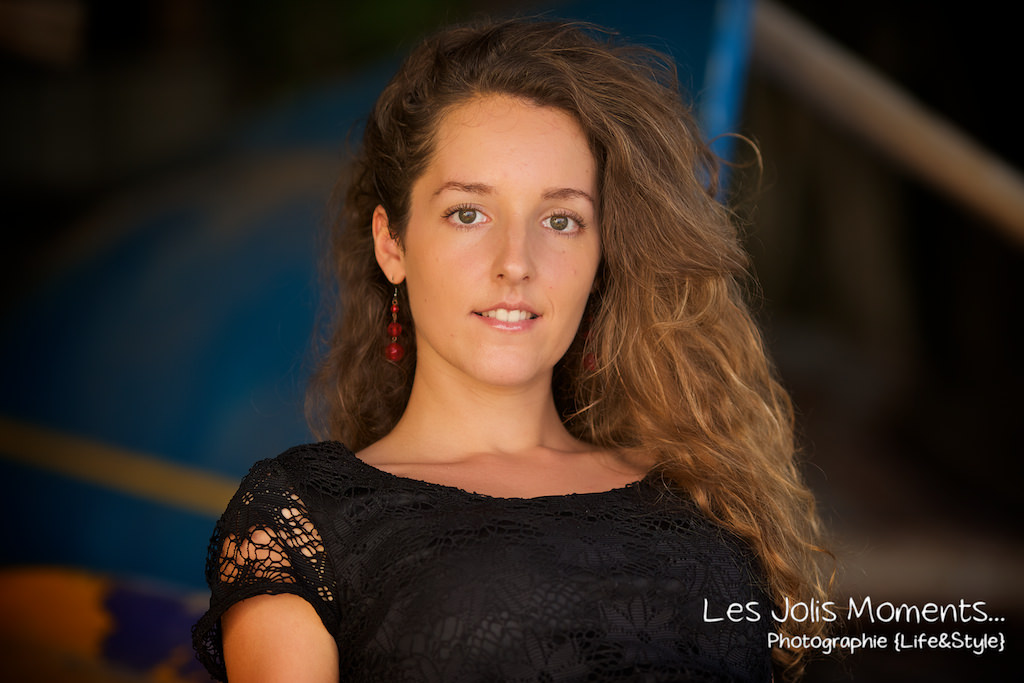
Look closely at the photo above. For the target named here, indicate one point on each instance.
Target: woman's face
(502, 244)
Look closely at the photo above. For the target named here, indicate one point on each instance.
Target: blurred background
(164, 171)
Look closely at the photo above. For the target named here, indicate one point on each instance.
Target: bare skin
(509, 444)
(277, 638)
(481, 415)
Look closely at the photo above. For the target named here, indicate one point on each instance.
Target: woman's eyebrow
(472, 188)
(567, 193)
(483, 188)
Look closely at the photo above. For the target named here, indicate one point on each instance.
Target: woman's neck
(499, 441)
(456, 419)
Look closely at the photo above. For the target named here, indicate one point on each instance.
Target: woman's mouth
(506, 315)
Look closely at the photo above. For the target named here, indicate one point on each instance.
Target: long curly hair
(669, 365)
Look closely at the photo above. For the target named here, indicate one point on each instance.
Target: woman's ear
(389, 253)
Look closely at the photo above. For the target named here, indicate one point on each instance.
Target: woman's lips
(508, 315)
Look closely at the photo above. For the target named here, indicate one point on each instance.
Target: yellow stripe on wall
(136, 473)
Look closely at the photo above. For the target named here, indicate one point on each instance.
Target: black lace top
(425, 582)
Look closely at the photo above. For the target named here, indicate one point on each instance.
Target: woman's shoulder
(708, 542)
(314, 458)
(307, 470)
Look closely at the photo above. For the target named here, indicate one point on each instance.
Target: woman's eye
(465, 216)
(563, 223)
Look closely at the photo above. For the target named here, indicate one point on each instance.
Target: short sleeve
(265, 543)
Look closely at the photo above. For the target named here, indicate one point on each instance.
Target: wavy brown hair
(676, 370)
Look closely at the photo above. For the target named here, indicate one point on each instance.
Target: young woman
(566, 457)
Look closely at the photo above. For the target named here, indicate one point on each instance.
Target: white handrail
(852, 93)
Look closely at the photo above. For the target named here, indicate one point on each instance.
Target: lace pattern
(423, 582)
(264, 543)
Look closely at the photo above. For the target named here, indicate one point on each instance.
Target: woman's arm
(271, 638)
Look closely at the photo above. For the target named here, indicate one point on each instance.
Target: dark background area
(895, 316)
(924, 292)
(894, 313)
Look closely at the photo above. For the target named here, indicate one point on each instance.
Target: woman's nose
(513, 260)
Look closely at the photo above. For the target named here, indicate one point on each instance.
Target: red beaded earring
(394, 351)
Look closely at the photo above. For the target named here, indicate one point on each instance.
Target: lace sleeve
(265, 543)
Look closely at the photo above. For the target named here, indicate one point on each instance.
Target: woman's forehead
(490, 138)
